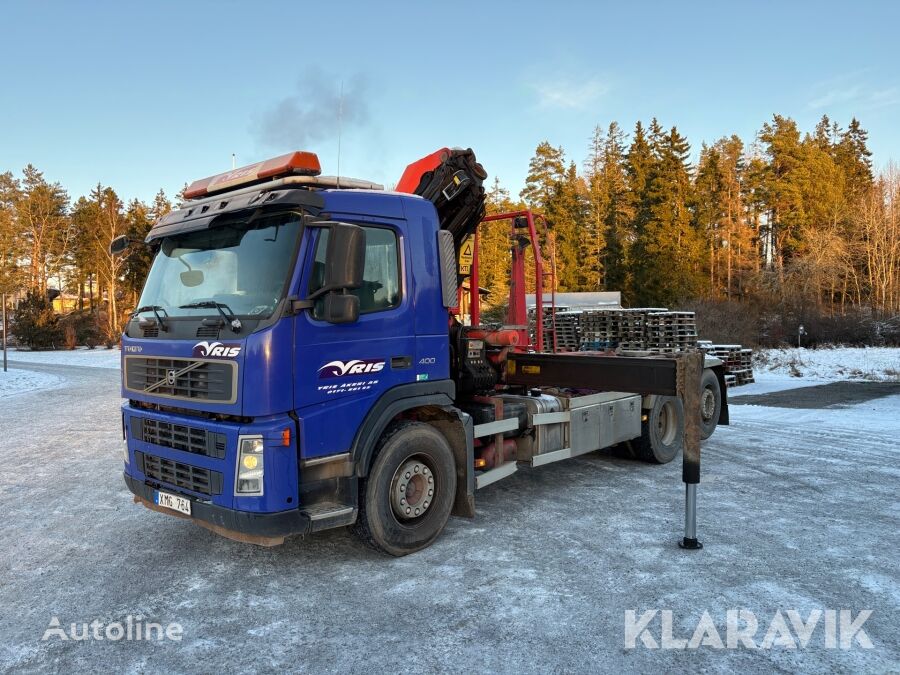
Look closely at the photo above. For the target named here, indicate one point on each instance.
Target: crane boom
(453, 180)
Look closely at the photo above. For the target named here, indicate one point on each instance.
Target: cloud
(569, 94)
(314, 111)
(883, 97)
(836, 96)
(862, 96)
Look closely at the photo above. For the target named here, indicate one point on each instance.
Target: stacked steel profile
(737, 359)
(648, 329)
(653, 329)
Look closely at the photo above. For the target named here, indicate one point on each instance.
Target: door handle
(401, 362)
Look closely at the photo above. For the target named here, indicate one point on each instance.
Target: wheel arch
(431, 403)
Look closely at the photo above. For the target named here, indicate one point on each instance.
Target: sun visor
(200, 216)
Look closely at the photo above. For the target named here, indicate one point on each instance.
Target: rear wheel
(406, 499)
(662, 435)
(710, 404)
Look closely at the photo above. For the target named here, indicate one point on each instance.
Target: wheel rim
(412, 489)
(707, 404)
(667, 423)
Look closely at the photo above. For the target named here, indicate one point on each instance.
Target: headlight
(250, 466)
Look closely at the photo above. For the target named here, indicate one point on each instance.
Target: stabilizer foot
(690, 544)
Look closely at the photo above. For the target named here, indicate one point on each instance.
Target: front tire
(662, 435)
(405, 500)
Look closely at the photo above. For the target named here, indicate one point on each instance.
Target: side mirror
(119, 245)
(340, 308)
(345, 257)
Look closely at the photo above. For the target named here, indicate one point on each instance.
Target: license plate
(174, 502)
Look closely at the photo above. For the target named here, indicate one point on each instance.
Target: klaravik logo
(216, 350)
(349, 368)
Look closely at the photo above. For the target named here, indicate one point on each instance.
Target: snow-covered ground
(830, 363)
(20, 379)
(16, 381)
(798, 511)
(82, 356)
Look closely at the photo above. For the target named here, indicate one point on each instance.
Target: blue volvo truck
(297, 363)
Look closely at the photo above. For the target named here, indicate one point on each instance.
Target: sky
(143, 96)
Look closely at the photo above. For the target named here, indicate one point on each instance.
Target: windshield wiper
(156, 309)
(230, 318)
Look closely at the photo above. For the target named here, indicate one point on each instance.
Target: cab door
(342, 369)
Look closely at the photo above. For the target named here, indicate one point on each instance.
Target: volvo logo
(171, 377)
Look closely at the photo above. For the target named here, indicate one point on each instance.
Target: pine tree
(35, 324)
(638, 167)
(709, 208)
(567, 212)
(559, 193)
(784, 193)
(669, 250)
(739, 251)
(83, 254)
(494, 245)
(12, 276)
(594, 239)
(755, 196)
(545, 171)
(611, 210)
(104, 220)
(852, 154)
(42, 222)
(139, 219)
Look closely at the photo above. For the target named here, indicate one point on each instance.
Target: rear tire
(662, 435)
(710, 404)
(405, 501)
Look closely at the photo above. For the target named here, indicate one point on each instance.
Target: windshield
(240, 265)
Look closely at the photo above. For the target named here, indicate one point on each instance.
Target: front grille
(151, 331)
(201, 380)
(178, 437)
(184, 476)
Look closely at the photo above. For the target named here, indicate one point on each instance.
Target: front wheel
(406, 499)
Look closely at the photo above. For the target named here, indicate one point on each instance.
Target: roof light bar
(294, 163)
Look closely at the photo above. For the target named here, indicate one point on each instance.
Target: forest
(793, 226)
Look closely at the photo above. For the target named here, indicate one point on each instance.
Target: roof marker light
(294, 163)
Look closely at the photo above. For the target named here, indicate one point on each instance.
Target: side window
(381, 288)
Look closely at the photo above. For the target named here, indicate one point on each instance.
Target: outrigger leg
(690, 369)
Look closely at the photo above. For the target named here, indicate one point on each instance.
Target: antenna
(233, 165)
(340, 128)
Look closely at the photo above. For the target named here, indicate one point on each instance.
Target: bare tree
(110, 224)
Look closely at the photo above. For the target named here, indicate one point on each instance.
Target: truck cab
(250, 368)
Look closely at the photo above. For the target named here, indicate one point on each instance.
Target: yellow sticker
(466, 255)
(511, 367)
(531, 370)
